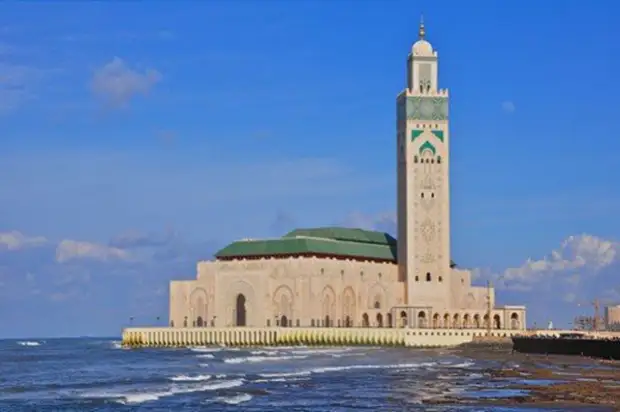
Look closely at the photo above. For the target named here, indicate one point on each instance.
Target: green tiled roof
(322, 241)
(356, 243)
(346, 234)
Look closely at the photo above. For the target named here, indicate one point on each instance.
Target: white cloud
(68, 250)
(15, 240)
(116, 83)
(577, 256)
(508, 106)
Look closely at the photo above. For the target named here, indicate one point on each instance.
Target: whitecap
(320, 351)
(116, 344)
(257, 359)
(235, 400)
(284, 374)
(264, 352)
(29, 343)
(281, 380)
(403, 366)
(140, 397)
(205, 349)
(187, 378)
(206, 355)
(461, 365)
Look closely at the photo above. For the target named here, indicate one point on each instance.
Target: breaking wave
(29, 343)
(235, 400)
(140, 397)
(257, 359)
(187, 378)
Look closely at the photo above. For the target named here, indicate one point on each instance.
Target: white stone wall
(305, 292)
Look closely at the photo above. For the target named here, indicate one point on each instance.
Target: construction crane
(589, 322)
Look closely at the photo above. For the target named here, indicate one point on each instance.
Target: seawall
(247, 336)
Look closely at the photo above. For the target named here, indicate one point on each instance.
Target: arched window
(428, 276)
(438, 159)
(415, 159)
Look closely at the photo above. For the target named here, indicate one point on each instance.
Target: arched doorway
(514, 321)
(455, 321)
(240, 311)
(477, 321)
(199, 322)
(421, 319)
(497, 322)
(436, 320)
(347, 322)
(466, 320)
(379, 320)
(284, 321)
(446, 321)
(328, 321)
(403, 319)
(389, 320)
(486, 320)
(365, 320)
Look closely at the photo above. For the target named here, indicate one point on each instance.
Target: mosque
(342, 277)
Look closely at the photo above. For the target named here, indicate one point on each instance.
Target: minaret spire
(422, 30)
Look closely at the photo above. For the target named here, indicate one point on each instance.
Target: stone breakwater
(247, 336)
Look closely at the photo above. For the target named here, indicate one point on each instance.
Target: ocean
(98, 375)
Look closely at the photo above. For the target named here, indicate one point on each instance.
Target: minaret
(423, 181)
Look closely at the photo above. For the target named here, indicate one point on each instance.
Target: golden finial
(421, 31)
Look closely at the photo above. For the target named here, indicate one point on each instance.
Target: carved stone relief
(427, 257)
(427, 230)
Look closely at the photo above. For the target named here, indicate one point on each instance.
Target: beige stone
(422, 290)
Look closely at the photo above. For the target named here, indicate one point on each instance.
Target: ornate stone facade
(307, 280)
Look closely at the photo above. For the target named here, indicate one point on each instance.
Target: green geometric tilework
(415, 134)
(427, 108)
(427, 146)
(438, 134)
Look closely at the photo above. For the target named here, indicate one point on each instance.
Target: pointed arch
(515, 322)
(422, 319)
(497, 323)
(328, 306)
(376, 296)
(240, 310)
(436, 320)
(348, 306)
(232, 293)
(283, 303)
(466, 320)
(198, 306)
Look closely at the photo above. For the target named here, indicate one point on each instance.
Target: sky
(137, 138)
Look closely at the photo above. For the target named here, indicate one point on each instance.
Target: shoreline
(542, 381)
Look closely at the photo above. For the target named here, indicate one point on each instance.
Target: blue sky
(184, 126)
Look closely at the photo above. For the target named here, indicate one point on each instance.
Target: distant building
(339, 277)
(612, 317)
